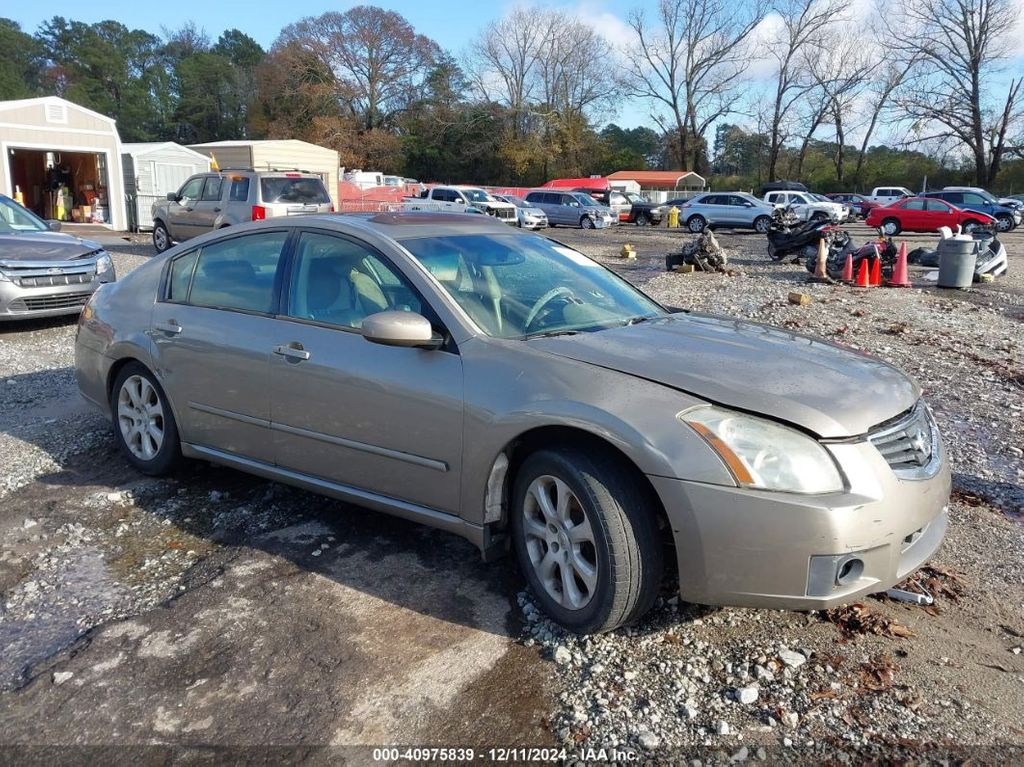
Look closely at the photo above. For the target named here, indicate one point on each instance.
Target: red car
(923, 214)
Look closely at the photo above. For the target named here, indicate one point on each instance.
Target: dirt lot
(215, 609)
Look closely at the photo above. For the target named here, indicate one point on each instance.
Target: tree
(803, 23)
(691, 63)
(953, 90)
(21, 62)
(109, 68)
(375, 56)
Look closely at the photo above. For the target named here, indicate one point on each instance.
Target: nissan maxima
(506, 388)
(44, 272)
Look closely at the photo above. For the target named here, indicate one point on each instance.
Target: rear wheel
(762, 224)
(144, 425)
(585, 539)
(161, 237)
(891, 227)
(696, 224)
(587, 222)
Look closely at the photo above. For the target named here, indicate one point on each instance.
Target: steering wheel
(543, 301)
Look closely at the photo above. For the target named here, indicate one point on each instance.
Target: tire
(157, 448)
(762, 224)
(696, 224)
(586, 222)
(891, 227)
(161, 237)
(643, 219)
(1004, 223)
(970, 225)
(618, 539)
(819, 216)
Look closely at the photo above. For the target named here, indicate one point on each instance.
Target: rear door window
(238, 273)
(295, 191)
(212, 189)
(914, 205)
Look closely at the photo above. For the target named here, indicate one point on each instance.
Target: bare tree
(839, 69)
(376, 57)
(958, 48)
(802, 28)
(503, 60)
(691, 62)
(886, 80)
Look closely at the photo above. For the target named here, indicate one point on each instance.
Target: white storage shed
(277, 154)
(153, 169)
(62, 161)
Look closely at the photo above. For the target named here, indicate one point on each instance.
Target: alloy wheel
(161, 241)
(140, 417)
(560, 542)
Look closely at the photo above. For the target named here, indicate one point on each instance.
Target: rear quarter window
(298, 191)
(239, 190)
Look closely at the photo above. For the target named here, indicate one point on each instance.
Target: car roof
(409, 225)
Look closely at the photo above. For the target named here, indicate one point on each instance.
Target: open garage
(62, 161)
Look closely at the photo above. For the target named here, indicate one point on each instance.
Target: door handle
(168, 327)
(216, 210)
(293, 351)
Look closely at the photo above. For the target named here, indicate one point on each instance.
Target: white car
(528, 216)
(886, 194)
(805, 206)
(463, 199)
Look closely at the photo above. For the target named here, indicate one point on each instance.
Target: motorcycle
(835, 262)
(789, 236)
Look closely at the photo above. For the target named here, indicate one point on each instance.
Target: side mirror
(172, 197)
(401, 329)
(54, 225)
(748, 204)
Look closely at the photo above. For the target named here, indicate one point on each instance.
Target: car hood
(43, 246)
(825, 389)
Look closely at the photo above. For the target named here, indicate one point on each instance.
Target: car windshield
(519, 202)
(821, 198)
(14, 218)
(749, 198)
(295, 190)
(634, 197)
(477, 195)
(521, 287)
(585, 200)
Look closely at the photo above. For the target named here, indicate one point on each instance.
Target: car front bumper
(754, 548)
(18, 303)
(534, 223)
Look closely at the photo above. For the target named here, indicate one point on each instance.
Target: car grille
(53, 280)
(504, 213)
(909, 441)
(41, 303)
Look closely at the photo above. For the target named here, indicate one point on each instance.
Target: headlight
(104, 264)
(764, 454)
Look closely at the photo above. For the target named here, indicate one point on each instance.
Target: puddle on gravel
(39, 619)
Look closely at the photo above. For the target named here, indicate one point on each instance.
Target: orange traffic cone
(820, 270)
(848, 269)
(863, 279)
(900, 275)
(876, 270)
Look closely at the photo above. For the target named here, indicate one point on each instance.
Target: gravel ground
(86, 543)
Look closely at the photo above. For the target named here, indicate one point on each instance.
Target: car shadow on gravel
(14, 328)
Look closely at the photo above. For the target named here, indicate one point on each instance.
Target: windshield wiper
(552, 333)
(637, 320)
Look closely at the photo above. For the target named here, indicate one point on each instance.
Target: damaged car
(501, 386)
(43, 271)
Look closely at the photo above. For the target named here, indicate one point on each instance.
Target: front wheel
(144, 425)
(891, 227)
(585, 539)
(696, 224)
(643, 219)
(970, 226)
(587, 222)
(1004, 223)
(161, 237)
(762, 224)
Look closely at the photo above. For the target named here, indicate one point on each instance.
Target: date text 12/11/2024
(518, 754)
